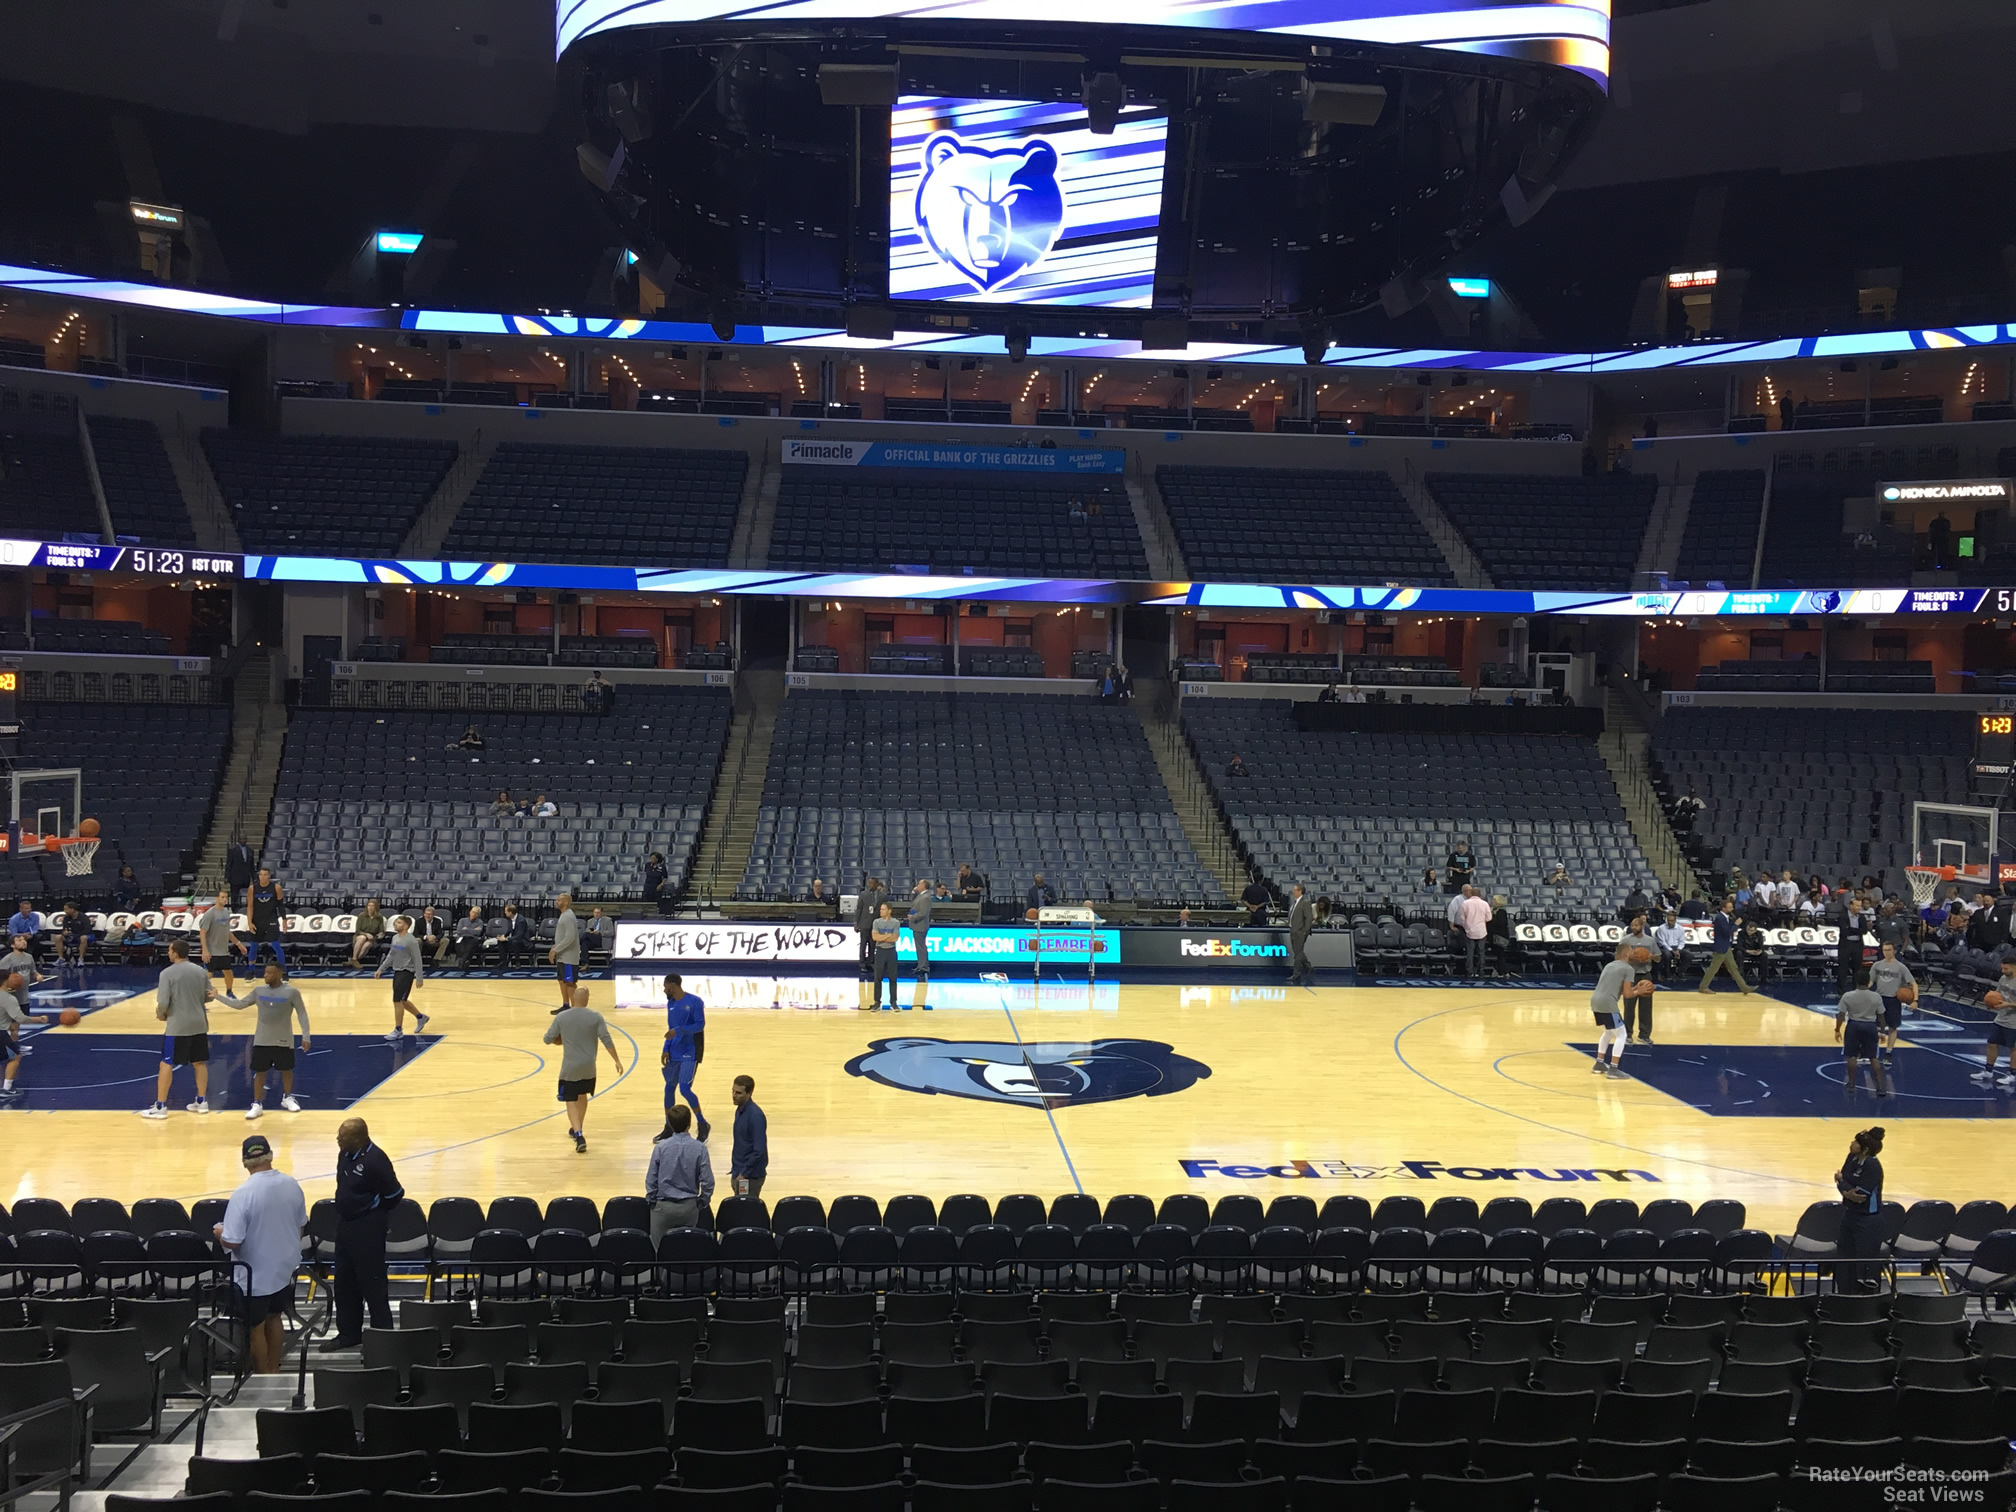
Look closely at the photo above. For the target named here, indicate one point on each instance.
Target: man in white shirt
(1787, 894)
(262, 1231)
(1672, 941)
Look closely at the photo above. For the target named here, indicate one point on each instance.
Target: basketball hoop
(1925, 881)
(78, 853)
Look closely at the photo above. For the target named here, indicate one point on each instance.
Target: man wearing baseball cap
(262, 1231)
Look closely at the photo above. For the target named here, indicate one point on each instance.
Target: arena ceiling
(1706, 86)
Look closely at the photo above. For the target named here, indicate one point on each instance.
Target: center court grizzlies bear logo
(990, 215)
(1045, 1074)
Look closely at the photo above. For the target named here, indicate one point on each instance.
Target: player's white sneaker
(289, 1104)
(255, 1111)
(395, 1038)
(154, 1110)
(2006, 1083)
(1982, 1076)
(201, 1105)
(419, 1023)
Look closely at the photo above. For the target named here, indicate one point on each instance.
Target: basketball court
(1211, 1088)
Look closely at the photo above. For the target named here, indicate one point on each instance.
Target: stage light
(870, 323)
(857, 83)
(1470, 288)
(1314, 345)
(1343, 104)
(599, 168)
(399, 241)
(722, 324)
(1103, 95)
(1017, 338)
(1167, 335)
(628, 111)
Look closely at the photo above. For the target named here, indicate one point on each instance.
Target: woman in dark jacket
(1860, 1182)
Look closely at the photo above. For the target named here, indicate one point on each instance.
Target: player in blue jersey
(685, 1045)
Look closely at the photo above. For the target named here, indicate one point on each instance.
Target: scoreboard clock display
(1994, 743)
(10, 720)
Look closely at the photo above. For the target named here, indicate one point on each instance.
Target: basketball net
(1925, 881)
(78, 853)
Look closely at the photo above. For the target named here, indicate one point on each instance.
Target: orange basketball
(1993, 1000)
(88, 829)
(1907, 993)
(69, 1018)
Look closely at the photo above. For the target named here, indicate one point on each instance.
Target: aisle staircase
(756, 515)
(437, 516)
(208, 513)
(730, 830)
(1463, 562)
(1158, 531)
(252, 771)
(1624, 746)
(1203, 825)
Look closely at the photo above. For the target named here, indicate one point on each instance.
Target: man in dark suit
(1301, 919)
(241, 865)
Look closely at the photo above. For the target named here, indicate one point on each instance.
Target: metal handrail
(311, 1328)
(63, 1480)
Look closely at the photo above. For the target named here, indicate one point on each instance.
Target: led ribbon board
(1568, 35)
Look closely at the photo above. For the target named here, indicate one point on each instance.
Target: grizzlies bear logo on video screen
(991, 215)
(1045, 1074)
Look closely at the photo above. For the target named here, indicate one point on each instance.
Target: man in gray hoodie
(181, 1003)
(566, 952)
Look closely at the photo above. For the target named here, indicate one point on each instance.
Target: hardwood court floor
(1742, 1096)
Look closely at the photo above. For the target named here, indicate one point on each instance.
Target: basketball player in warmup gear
(1858, 1023)
(577, 1029)
(13, 1014)
(685, 1025)
(2002, 1033)
(1605, 1002)
(565, 955)
(181, 1003)
(18, 959)
(268, 899)
(1636, 1002)
(1888, 979)
(279, 1004)
(405, 958)
(213, 935)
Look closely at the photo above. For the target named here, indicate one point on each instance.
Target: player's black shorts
(1607, 1020)
(256, 1310)
(2002, 1034)
(272, 1058)
(185, 1049)
(220, 962)
(8, 1049)
(1893, 1013)
(402, 986)
(567, 973)
(571, 1090)
(1858, 1040)
(266, 932)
